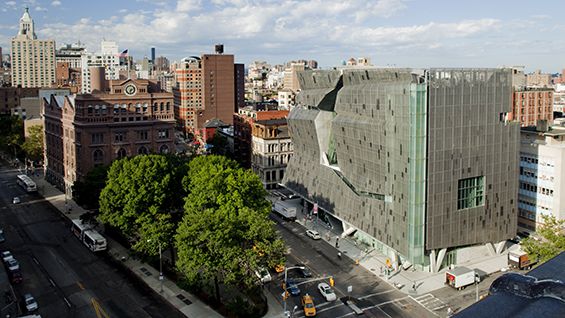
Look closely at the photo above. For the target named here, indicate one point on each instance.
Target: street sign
(315, 208)
(350, 289)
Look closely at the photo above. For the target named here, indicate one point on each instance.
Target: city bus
(88, 236)
(26, 183)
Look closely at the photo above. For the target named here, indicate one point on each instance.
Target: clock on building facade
(130, 90)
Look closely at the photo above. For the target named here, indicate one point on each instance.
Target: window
(97, 138)
(164, 149)
(122, 153)
(142, 135)
(470, 193)
(142, 150)
(98, 156)
(119, 137)
(163, 134)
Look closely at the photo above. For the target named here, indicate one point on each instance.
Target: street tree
(33, 144)
(86, 192)
(549, 239)
(225, 233)
(11, 134)
(139, 199)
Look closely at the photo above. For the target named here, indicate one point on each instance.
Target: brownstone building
(262, 142)
(120, 118)
(532, 104)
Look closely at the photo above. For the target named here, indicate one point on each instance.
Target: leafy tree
(220, 145)
(11, 134)
(139, 197)
(86, 192)
(225, 233)
(551, 240)
(33, 145)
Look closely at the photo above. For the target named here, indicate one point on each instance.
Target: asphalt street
(371, 294)
(66, 278)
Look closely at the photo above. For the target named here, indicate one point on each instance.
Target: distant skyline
(401, 33)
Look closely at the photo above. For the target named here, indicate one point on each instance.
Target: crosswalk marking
(430, 302)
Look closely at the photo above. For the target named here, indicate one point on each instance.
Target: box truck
(520, 260)
(460, 277)
(287, 208)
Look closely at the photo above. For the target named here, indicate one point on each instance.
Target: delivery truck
(460, 277)
(520, 260)
(287, 208)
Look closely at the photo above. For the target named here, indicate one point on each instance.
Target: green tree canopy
(551, 240)
(139, 197)
(225, 233)
(33, 144)
(11, 134)
(86, 192)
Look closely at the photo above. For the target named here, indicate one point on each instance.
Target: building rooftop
(541, 293)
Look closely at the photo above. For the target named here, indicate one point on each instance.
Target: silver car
(31, 304)
(313, 234)
(327, 291)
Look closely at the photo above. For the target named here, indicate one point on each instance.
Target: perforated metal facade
(371, 147)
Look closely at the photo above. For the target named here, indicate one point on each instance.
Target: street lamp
(160, 266)
(287, 314)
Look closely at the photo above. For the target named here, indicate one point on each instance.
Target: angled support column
(490, 248)
(500, 247)
(435, 261)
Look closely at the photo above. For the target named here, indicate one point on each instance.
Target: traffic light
(332, 281)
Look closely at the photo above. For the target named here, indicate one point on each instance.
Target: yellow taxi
(309, 307)
(279, 268)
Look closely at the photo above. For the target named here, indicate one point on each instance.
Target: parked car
(12, 264)
(263, 275)
(16, 200)
(292, 287)
(304, 270)
(313, 234)
(31, 304)
(327, 291)
(15, 276)
(6, 255)
(309, 307)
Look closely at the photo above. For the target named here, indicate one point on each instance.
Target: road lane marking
(376, 306)
(379, 293)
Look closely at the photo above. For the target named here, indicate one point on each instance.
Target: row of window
(532, 160)
(98, 138)
(98, 154)
(470, 192)
(533, 188)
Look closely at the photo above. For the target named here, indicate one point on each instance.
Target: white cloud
(40, 8)
(188, 5)
(10, 3)
(269, 28)
(56, 3)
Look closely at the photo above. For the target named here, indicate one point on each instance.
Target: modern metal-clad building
(418, 162)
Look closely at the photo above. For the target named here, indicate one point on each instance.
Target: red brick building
(531, 105)
(118, 119)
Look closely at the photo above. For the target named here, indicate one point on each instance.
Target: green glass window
(471, 193)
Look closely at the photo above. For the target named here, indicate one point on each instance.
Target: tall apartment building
(542, 167)
(33, 60)
(71, 54)
(538, 79)
(205, 91)
(291, 76)
(239, 85)
(108, 57)
(262, 143)
(406, 162)
(532, 104)
(118, 119)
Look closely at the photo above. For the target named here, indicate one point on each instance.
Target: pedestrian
(337, 242)
(339, 255)
(414, 285)
(449, 312)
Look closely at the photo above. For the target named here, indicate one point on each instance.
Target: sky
(401, 33)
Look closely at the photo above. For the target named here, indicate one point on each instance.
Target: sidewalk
(374, 262)
(186, 303)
